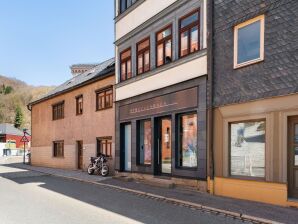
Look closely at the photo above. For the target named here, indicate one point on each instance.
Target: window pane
(194, 44)
(123, 5)
(128, 69)
(140, 64)
(190, 19)
(184, 43)
(123, 71)
(164, 34)
(125, 54)
(160, 55)
(249, 42)
(145, 142)
(188, 140)
(248, 149)
(147, 61)
(143, 45)
(168, 51)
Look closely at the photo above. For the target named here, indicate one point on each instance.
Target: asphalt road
(33, 198)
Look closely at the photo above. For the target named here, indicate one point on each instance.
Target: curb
(196, 206)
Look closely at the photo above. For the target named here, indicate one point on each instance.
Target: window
(249, 42)
(125, 69)
(125, 4)
(145, 140)
(247, 149)
(189, 27)
(58, 111)
(58, 149)
(104, 98)
(188, 141)
(104, 146)
(79, 105)
(164, 46)
(143, 56)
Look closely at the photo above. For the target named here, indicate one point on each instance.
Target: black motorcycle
(98, 165)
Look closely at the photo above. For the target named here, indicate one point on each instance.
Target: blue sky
(40, 39)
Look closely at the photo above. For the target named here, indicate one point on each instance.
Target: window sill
(107, 108)
(244, 64)
(260, 179)
(58, 157)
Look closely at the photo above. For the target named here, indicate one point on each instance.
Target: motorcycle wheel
(90, 169)
(104, 170)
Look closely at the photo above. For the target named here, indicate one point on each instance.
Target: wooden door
(80, 154)
(293, 157)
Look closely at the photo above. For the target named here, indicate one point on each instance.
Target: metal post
(24, 156)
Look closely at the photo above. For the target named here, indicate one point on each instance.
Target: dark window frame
(142, 52)
(79, 106)
(125, 7)
(138, 154)
(125, 61)
(179, 142)
(230, 149)
(56, 150)
(188, 29)
(56, 114)
(100, 141)
(105, 96)
(163, 41)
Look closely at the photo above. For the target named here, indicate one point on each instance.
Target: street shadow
(125, 204)
(120, 203)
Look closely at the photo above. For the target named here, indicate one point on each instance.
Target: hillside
(14, 93)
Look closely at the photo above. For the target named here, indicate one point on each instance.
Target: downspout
(210, 64)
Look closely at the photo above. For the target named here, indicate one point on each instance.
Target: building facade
(75, 121)
(11, 140)
(255, 89)
(161, 76)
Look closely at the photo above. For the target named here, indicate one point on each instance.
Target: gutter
(210, 69)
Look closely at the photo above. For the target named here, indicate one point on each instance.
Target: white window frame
(260, 18)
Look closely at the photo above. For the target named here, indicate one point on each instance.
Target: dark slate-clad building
(255, 99)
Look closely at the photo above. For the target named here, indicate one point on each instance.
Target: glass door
(127, 147)
(165, 146)
(293, 157)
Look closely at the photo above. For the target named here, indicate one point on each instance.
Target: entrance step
(159, 182)
(123, 178)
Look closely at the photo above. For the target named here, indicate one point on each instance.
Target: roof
(84, 65)
(9, 129)
(101, 70)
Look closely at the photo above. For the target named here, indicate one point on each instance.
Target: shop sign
(175, 101)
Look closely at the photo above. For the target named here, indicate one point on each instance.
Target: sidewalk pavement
(246, 210)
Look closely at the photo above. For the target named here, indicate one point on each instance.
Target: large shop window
(247, 148)
(58, 149)
(58, 111)
(164, 46)
(249, 42)
(104, 99)
(125, 68)
(189, 33)
(188, 141)
(143, 54)
(145, 142)
(104, 146)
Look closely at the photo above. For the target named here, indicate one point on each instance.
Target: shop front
(163, 133)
